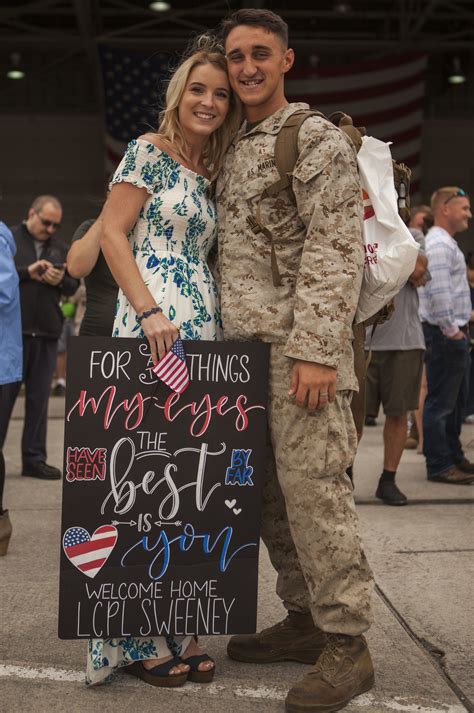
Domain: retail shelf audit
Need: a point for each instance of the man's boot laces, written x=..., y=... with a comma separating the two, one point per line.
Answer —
x=331, y=655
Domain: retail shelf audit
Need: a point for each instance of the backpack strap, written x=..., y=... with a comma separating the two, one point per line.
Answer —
x=401, y=178
x=286, y=155
x=286, y=147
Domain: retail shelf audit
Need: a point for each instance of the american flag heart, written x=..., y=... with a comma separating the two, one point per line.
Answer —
x=172, y=368
x=89, y=554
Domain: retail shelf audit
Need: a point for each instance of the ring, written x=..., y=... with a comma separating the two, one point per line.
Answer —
x=326, y=393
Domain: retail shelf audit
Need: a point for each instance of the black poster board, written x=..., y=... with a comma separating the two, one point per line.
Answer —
x=161, y=491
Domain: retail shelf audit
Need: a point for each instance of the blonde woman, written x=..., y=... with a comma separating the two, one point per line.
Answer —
x=158, y=226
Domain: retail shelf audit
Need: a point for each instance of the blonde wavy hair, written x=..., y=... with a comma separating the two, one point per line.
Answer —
x=205, y=50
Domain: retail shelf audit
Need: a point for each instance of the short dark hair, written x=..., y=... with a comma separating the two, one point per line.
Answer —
x=425, y=209
x=267, y=19
x=41, y=201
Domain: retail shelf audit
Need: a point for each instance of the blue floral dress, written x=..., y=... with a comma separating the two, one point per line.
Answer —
x=171, y=239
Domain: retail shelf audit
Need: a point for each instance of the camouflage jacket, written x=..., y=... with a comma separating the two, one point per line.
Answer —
x=318, y=244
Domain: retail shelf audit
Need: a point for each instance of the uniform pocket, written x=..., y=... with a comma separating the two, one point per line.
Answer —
x=335, y=179
x=341, y=443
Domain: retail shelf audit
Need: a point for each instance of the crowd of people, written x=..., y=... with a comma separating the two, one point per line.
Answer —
x=420, y=361
x=176, y=193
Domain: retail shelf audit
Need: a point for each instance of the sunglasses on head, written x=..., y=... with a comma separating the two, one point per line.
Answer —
x=49, y=223
x=460, y=193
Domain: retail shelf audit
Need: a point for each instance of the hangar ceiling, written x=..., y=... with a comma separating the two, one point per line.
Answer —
x=434, y=25
x=58, y=39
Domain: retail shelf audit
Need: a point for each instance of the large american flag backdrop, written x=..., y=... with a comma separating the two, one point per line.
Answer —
x=133, y=85
x=385, y=95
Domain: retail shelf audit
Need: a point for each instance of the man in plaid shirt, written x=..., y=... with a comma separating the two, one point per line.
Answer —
x=445, y=309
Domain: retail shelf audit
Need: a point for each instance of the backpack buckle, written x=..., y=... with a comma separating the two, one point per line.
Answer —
x=254, y=226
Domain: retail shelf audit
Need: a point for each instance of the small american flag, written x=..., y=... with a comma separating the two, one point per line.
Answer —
x=172, y=368
x=88, y=553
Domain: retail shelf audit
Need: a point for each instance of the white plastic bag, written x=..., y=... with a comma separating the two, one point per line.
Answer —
x=390, y=250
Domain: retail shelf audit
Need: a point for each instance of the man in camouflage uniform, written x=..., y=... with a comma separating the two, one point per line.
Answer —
x=309, y=525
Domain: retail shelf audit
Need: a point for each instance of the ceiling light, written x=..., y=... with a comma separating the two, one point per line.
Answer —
x=342, y=7
x=160, y=6
x=456, y=75
x=15, y=74
x=15, y=71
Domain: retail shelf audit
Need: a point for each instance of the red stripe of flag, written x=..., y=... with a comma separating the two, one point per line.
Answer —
x=374, y=65
x=86, y=566
x=178, y=379
x=415, y=186
x=184, y=378
x=403, y=136
x=165, y=368
x=411, y=161
x=374, y=117
x=175, y=364
x=85, y=547
x=378, y=117
x=105, y=528
x=379, y=90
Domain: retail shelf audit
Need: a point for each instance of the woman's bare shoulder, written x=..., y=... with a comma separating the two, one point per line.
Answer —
x=155, y=140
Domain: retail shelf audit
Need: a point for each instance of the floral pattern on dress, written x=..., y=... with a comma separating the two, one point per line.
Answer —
x=170, y=241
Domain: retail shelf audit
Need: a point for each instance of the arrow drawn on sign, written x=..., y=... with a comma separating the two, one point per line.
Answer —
x=117, y=522
x=160, y=523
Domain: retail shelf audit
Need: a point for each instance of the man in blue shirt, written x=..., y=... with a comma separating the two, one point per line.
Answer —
x=445, y=309
x=11, y=354
x=41, y=318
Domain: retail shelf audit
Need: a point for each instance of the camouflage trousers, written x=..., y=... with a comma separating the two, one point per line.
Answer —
x=309, y=522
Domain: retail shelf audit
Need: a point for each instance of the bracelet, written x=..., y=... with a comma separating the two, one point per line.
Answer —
x=148, y=313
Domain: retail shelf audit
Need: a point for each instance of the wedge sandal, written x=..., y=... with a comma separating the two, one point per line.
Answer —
x=195, y=675
x=159, y=675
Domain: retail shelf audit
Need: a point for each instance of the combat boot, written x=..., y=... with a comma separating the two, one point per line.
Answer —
x=344, y=670
x=296, y=638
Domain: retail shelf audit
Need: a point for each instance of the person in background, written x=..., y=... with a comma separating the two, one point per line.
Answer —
x=445, y=310
x=11, y=353
x=73, y=308
x=421, y=218
x=394, y=374
x=85, y=259
x=469, y=412
x=42, y=319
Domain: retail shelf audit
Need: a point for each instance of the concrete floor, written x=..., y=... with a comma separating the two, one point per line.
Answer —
x=421, y=640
